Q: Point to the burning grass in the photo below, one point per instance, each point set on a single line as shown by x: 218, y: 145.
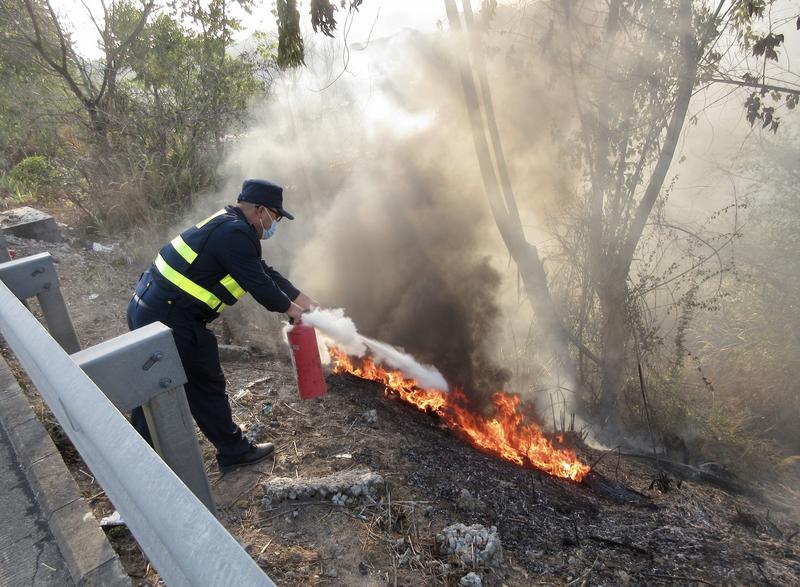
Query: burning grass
x: 505, y: 434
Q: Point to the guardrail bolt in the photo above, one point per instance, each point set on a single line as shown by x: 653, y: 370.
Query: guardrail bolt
x: 154, y: 358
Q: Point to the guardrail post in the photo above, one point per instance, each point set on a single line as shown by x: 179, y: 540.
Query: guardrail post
x: 4, y: 256
x: 36, y: 276
x: 143, y: 368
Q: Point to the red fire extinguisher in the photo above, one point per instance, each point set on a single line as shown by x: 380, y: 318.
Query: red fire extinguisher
x: 307, y: 364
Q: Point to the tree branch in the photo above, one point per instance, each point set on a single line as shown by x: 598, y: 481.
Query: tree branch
x: 755, y: 85
x: 38, y: 44
x: 688, y: 50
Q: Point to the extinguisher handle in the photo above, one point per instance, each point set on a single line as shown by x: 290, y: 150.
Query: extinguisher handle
x: 293, y: 321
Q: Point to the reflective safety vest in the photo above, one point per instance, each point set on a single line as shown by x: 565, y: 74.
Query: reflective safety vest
x: 174, y: 263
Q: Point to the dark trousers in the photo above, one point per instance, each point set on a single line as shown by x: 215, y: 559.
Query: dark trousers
x: 197, y: 347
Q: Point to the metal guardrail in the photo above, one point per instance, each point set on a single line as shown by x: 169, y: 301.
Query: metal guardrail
x: 139, y: 368
x: 183, y: 539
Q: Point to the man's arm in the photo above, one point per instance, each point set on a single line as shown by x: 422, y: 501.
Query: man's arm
x: 240, y: 258
x: 304, y: 301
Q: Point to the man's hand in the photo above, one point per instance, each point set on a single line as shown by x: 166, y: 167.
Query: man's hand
x: 306, y: 302
x: 294, y: 312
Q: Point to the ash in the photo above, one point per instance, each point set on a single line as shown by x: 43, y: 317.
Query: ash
x: 472, y: 545
x: 340, y: 486
x: 471, y: 580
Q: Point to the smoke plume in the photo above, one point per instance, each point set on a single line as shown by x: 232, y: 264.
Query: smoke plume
x: 392, y: 221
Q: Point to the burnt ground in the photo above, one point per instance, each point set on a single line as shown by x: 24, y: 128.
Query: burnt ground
x: 552, y: 531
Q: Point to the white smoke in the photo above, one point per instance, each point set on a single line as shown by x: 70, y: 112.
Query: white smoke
x: 337, y: 327
x: 334, y: 326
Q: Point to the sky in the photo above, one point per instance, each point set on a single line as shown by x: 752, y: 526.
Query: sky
x: 378, y: 18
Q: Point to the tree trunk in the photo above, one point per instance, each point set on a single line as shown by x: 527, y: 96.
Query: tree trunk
x: 613, y: 287
x: 613, y: 364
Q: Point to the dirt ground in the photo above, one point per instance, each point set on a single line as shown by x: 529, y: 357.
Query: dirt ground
x: 552, y: 531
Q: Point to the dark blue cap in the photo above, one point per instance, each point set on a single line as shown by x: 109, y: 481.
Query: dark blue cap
x: 264, y: 193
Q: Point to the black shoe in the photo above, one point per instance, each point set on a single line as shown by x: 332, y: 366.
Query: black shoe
x: 256, y: 454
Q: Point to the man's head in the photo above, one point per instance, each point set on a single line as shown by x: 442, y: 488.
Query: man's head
x: 264, y: 193
x: 262, y: 204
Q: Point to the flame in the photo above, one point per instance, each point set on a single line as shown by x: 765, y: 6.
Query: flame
x: 506, y: 434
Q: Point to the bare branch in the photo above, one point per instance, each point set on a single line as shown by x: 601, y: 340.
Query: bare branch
x: 756, y: 85
x: 147, y: 9
x: 92, y: 18
x: 689, y: 54
x: 61, y: 68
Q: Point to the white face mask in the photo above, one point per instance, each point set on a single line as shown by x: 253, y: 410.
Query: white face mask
x: 268, y: 232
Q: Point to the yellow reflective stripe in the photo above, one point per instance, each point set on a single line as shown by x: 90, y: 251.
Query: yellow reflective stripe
x: 187, y: 285
x: 232, y: 286
x: 214, y: 215
x: 183, y: 249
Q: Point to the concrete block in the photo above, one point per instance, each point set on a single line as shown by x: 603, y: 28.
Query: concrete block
x: 110, y: 573
x: 14, y: 408
x: 8, y: 383
x: 89, y: 557
x: 29, y: 222
x: 31, y: 441
x: 51, y: 489
x: 81, y: 541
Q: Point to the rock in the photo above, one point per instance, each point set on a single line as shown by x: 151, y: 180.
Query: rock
x: 406, y: 558
x: 232, y: 353
x: 439, y: 568
x: 471, y: 580
x: 472, y: 545
x: 256, y: 431
x: 467, y: 502
x: 100, y: 248
x: 331, y: 572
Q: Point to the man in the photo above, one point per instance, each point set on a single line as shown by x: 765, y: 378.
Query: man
x: 206, y: 268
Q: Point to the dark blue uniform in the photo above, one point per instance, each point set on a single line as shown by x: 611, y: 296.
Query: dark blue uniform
x: 225, y: 246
